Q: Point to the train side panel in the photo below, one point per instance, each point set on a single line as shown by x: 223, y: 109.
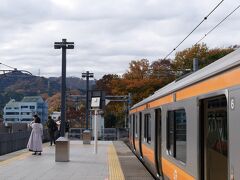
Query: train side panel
x: 131, y: 131
x: 185, y: 165
x: 148, y: 139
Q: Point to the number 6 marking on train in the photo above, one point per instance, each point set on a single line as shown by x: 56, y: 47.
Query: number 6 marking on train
x: 232, y: 103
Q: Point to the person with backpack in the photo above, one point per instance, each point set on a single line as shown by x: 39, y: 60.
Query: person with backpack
x: 52, y: 128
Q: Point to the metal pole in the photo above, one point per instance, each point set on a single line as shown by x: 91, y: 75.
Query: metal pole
x: 95, y: 132
x: 87, y: 77
x: 63, y: 91
x: 90, y: 120
x: 125, y: 119
x: 195, y: 64
x: 64, y: 45
x: 128, y: 107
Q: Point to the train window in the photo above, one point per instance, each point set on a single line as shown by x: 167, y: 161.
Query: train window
x: 147, y: 128
x: 136, y: 126
x: 217, y: 125
x: 177, y: 134
x: 133, y: 125
x: 170, y: 133
x: 145, y: 131
x: 181, y: 135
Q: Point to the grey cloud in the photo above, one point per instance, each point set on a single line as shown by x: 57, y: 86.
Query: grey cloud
x: 27, y: 11
x: 107, y: 34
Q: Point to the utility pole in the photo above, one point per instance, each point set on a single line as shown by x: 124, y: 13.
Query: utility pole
x: 64, y: 45
x: 87, y: 75
x: 195, y: 64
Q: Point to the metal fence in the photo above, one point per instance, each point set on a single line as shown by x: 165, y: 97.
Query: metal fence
x: 106, y: 134
x: 10, y: 142
x: 76, y: 133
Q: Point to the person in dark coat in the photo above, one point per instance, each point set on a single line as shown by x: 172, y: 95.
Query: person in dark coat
x: 67, y: 126
x: 52, y: 128
x: 35, y: 139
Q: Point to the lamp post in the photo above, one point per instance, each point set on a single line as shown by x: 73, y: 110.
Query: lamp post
x: 64, y: 45
x: 87, y: 75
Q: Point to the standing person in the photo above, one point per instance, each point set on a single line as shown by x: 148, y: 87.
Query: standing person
x: 67, y: 125
x: 35, y: 139
x: 52, y: 128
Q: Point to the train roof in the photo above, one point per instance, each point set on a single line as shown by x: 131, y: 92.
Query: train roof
x: 227, y: 62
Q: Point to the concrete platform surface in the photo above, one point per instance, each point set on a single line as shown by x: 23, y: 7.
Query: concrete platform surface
x: 83, y: 164
x: 132, y: 168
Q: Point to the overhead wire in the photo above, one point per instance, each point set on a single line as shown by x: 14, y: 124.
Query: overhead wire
x: 217, y: 25
x: 7, y: 66
x: 204, y: 19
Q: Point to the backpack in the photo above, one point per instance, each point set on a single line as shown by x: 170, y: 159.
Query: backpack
x: 54, y: 126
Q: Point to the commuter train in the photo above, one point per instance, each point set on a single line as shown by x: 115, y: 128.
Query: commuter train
x: 190, y: 129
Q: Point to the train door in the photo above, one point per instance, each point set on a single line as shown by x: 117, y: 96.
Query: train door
x: 140, y: 134
x: 133, y: 131
x: 214, y: 138
x: 158, y: 141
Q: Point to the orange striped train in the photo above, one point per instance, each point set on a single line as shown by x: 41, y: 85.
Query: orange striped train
x: 190, y: 129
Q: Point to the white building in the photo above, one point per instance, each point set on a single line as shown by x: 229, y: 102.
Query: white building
x: 24, y: 110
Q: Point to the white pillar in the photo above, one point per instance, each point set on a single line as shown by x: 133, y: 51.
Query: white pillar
x: 95, y: 132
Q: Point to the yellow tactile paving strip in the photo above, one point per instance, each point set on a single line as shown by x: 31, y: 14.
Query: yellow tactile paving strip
x: 114, y: 167
x: 16, y: 157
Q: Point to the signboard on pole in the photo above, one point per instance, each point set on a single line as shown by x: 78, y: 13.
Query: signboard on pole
x: 95, y: 103
x: 99, y: 94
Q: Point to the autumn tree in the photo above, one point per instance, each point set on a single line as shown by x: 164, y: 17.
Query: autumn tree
x: 114, y: 115
x: 137, y: 70
x: 215, y: 54
x: 54, y: 103
x: 162, y: 69
x: 184, y: 59
x: 143, y: 78
x: 105, y: 83
x: 113, y: 85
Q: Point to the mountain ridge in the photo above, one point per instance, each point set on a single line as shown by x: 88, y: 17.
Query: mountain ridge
x: 16, y: 85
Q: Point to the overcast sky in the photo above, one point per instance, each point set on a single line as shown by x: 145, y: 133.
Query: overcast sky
x: 108, y: 34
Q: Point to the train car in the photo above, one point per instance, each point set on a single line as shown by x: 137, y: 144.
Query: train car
x: 190, y: 128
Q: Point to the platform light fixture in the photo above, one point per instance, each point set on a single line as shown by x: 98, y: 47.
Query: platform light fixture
x: 64, y: 45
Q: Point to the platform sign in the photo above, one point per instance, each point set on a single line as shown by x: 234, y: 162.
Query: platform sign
x: 95, y: 103
x: 95, y: 94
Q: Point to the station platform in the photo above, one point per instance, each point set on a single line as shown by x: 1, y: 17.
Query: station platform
x: 114, y: 161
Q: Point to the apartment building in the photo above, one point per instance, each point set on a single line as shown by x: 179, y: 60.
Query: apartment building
x: 23, y: 111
